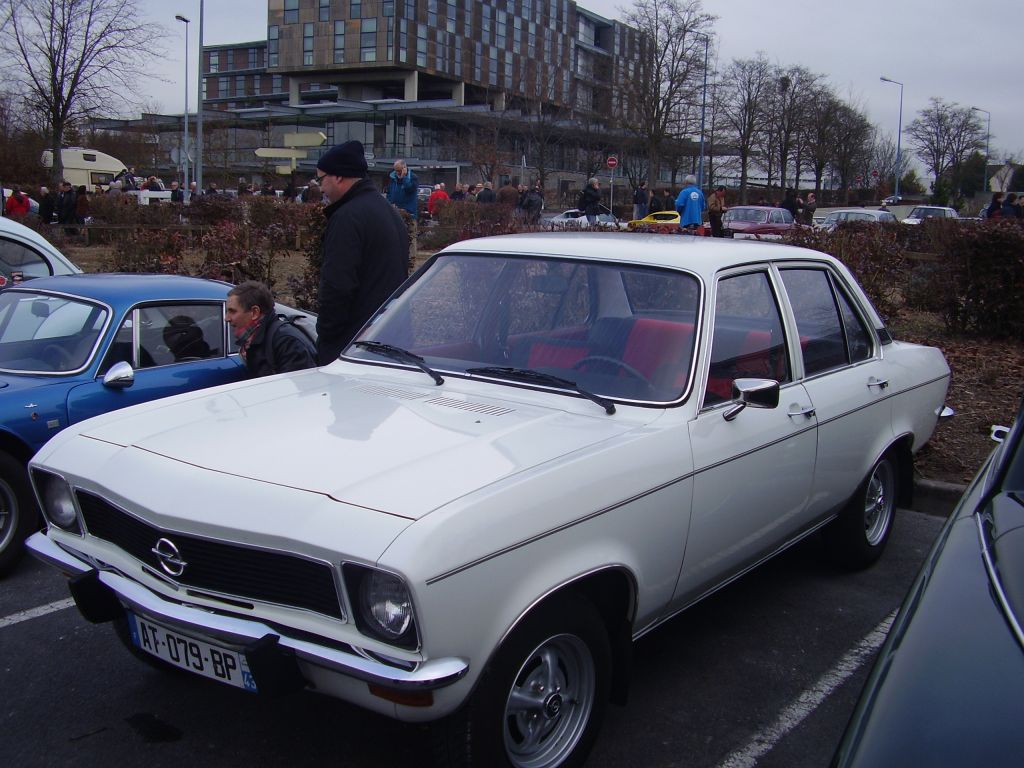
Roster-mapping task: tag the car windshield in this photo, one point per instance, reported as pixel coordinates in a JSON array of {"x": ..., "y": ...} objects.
[
  {"x": 613, "y": 330},
  {"x": 927, "y": 213},
  {"x": 753, "y": 215},
  {"x": 42, "y": 333}
]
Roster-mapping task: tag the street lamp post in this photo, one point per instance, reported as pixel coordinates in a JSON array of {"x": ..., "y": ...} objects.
[
  {"x": 199, "y": 107},
  {"x": 988, "y": 137},
  {"x": 184, "y": 132},
  {"x": 703, "y": 112},
  {"x": 899, "y": 136}
]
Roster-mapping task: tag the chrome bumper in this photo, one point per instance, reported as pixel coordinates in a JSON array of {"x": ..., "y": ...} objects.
[{"x": 429, "y": 675}]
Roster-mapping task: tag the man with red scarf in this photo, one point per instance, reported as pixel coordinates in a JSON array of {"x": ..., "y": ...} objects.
[{"x": 266, "y": 343}]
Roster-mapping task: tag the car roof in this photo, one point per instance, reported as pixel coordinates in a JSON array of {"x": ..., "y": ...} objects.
[
  {"x": 118, "y": 288},
  {"x": 704, "y": 255},
  {"x": 857, "y": 210},
  {"x": 756, "y": 207}
]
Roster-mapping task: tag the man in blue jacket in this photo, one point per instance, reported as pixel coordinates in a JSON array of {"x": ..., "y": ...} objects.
[
  {"x": 691, "y": 205},
  {"x": 403, "y": 189}
]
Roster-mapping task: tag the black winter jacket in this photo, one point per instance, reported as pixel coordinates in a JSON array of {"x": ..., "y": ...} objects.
[
  {"x": 290, "y": 354},
  {"x": 366, "y": 256}
]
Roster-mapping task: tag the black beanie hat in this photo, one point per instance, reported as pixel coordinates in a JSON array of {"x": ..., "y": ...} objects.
[{"x": 347, "y": 160}]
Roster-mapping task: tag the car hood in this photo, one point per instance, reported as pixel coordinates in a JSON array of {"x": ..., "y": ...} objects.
[
  {"x": 12, "y": 382},
  {"x": 398, "y": 448}
]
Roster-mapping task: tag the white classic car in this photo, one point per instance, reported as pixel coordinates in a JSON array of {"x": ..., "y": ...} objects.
[{"x": 541, "y": 448}]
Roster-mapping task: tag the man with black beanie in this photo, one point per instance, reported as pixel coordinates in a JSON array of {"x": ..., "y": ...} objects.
[{"x": 366, "y": 249}]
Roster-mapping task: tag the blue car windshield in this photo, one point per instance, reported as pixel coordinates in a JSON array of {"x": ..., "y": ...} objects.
[{"x": 43, "y": 333}]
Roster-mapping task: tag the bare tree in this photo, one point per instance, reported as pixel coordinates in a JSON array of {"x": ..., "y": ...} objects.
[
  {"x": 944, "y": 135},
  {"x": 669, "y": 74},
  {"x": 786, "y": 108},
  {"x": 745, "y": 84},
  {"x": 852, "y": 143},
  {"x": 73, "y": 57},
  {"x": 819, "y": 131}
]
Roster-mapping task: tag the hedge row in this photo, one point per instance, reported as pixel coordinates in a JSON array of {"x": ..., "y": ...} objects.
[{"x": 971, "y": 273}]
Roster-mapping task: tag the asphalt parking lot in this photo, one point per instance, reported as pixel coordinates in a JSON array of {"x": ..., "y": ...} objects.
[{"x": 763, "y": 673}]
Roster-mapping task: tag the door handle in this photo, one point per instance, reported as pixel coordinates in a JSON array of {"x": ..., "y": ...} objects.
[
  {"x": 880, "y": 383},
  {"x": 796, "y": 410}
]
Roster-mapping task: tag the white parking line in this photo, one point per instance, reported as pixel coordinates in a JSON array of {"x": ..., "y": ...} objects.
[
  {"x": 763, "y": 742},
  {"x": 33, "y": 613}
]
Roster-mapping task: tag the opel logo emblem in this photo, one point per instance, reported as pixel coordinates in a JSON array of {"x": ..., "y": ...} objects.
[{"x": 169, "y": 556}]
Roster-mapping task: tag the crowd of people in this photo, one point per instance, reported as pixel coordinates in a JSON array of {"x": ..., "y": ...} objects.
[{"x": 1004, "y": 206}]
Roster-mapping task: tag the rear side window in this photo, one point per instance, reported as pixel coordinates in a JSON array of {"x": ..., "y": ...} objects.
[
  {"x": 18, "y": 262},
  {"x": 831, "y": 333}
]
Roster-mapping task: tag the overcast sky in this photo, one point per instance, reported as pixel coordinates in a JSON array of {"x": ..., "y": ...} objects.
[{"x": 944, "y": 48}]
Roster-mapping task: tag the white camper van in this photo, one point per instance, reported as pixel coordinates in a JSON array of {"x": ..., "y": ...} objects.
[{"x": 86, "y": 167}]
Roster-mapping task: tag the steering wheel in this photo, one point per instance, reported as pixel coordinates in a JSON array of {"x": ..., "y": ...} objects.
[
  {"x": 59, "y": 357},
  {"x": 611, "y": 362}
]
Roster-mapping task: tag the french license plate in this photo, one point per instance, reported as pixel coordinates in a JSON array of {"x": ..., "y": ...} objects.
[{"x": 191, "y": 654}]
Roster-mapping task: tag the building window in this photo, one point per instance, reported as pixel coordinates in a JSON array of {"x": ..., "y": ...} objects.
[
  {"x": 272, "y": 41},
  {"x": 391, "y": 39},
  {"x": 204, "y": 89},
  {"x": 222, "y": 87},
  {"x": 214, "y": 61},
  {"x": 339, "y": 42},
  {"x": 421, "y": 45},
  {"x": 253, "y": 60},
  {"x": 307, "y": 44},
  {"x": 325, "y": 10},
  {"x": 291, "y": 11},
  {"x": 388, "y": 8},
  {"x": 355, "y": 10},
  {"x": 368, "y": 40},
  {"x": 276, "y": 84}
]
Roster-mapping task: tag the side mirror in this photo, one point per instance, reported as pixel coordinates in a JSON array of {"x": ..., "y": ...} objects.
[
  {"x": 120, "y": 376},
  {"x": 757, "y": 393}
]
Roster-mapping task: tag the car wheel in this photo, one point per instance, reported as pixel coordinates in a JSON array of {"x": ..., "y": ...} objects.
[
  {"x": 541, "y": 701},
  {"x": 18, "y": 514},
  {"x": 858, "y": 536}
]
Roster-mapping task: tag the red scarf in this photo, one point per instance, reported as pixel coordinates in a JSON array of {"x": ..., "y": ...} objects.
[{"x": 244, "y": 336}]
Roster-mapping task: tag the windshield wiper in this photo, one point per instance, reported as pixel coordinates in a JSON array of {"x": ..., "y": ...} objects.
[
  {"x": 402, "y": 356},
  {"x": 538, "y": 377}
]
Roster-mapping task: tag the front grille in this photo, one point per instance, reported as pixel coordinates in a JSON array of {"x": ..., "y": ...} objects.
[{"x": 230, "y": 569}]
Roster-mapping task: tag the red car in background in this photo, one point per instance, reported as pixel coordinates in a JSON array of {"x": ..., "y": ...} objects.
[{"x": 759, "y": 222}]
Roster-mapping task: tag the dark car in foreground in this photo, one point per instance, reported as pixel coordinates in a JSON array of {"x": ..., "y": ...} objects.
[{"x": 948, "y": 685}]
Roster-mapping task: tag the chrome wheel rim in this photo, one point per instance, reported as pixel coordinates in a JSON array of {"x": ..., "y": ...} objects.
[
  {"x": 549, "y": 705},
  {"x": 879, "y": 502}
]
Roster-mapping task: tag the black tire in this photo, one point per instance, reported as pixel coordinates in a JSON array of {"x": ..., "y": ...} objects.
[
  {"x": 19, "y": 516},
  {"x": 857, "y": 538},
  {"x": 512, "y": 720}
]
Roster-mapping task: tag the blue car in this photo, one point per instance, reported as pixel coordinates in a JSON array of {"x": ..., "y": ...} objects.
[{"x": 76, "y": 346}]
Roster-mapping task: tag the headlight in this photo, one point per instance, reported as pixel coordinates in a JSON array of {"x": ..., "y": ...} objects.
[
  {"x": 58, "y": 501},
  {"x": 383, "y": 605}
]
